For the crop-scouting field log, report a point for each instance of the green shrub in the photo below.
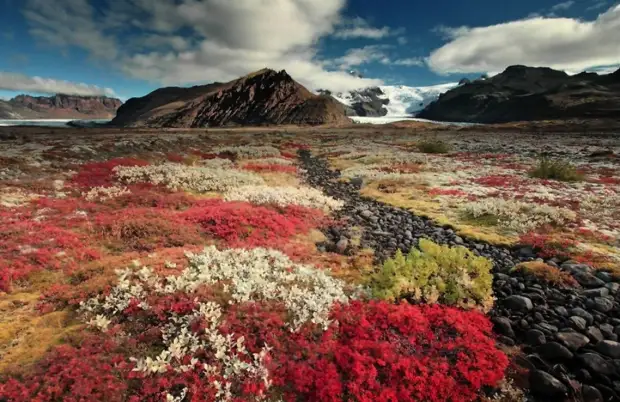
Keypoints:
(435, 273)
(556, 169)
(433, 147)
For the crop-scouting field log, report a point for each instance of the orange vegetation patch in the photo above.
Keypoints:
(547, 273)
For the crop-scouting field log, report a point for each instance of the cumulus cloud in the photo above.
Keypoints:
(560, 43)
(192, 41)
(364, 55)
(20, 82)
(413, 61)
(359, 28)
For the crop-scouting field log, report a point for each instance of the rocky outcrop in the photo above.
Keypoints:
(523, 93)
(59, 107)
(266, 97)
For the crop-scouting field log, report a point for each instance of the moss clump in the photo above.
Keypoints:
(435, 273)
(555, 169)
(433, 147)
(547, 273)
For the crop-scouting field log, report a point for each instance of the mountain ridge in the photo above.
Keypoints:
(59, 106)
(264, 97)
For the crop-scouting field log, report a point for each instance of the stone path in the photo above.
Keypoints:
(569, 336)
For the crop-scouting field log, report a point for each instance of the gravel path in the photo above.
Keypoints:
(568, 336)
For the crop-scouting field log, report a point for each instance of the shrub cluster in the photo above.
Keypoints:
(436, 273)
(284, 196)
(547, 273)
(249, 152)
(101, 174)
(556, 169)
(433, 147)
(270, 167)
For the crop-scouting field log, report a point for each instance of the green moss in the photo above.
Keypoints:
(436, 273)
(433, 147)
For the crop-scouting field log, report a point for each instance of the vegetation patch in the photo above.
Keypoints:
(556, 169)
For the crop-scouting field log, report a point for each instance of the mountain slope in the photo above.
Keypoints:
(59, 107)
(264, 97)
(391, 101)
(523, 93)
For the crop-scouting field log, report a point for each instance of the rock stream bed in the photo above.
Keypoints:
(569, 337)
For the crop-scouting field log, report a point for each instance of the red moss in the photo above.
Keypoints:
(102, 173)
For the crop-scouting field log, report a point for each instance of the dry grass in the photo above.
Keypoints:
(547, 273)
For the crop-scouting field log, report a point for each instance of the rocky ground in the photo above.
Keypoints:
(569, 337)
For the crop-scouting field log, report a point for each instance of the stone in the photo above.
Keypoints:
(554, 351)
(609, 348)
(597, 364)
(535, 337)
(588, 280)
(543, 383)
(607, 330)
(561, 311)
(518, 303)
(572, 340)
(366, 213)
(603, 304)
(578, 311)
(605, 276)
(505, 340)
(342, 244)
(502, 325)
(595, 334)
(613, 287)
(591, 394)
(598, 292)
(578, 322)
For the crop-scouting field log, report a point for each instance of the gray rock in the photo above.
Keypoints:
(518, 303)
(554, 351)
(598, 292)
(591, 394)
(603, 304)
(366, 213)
(561, 311)
(572, 340)
(502, 325)
(607, 330)
(597, 364)
(609, 348)
(578, 322)
(535, 337)
(588, 280)
(595, 334)
(604, 276)
(543, 383)
(613, 287)
(578, 311)
(574, 267)
(342, 244)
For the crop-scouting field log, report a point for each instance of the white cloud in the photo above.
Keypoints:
(563, 6)
(413, 61)
(401, 40)
(20, 82)
(597, 5)
(560, 43)
(359, 28)
(192, 41)
(367, 54)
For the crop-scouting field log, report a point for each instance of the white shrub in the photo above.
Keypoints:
(218, 163)
(194, 178)
(519, 216)
(105, 193)
(283, 196)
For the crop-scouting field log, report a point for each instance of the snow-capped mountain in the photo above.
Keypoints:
(392, 100)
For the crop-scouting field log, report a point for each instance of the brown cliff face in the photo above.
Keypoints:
(265, 97)
(523, 93)
(59, 107)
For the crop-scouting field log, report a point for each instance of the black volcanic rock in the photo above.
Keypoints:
(529, 93)
(265, 97)
(59, 107)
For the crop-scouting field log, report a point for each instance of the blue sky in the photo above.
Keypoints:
(130, 47)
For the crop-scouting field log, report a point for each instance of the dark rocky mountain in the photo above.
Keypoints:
(59, 107)
(265, 97)
(523, 93)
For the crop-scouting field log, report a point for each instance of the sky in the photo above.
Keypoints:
(127, 48)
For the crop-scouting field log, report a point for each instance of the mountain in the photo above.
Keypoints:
(264, 97)
(523, 93)
(388, 100)
(59, 107)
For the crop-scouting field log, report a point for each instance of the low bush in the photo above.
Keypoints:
(436, 273)
(433, 147)
(270, 167)
(547, 273)
(283, 196)
(555, 169)
(101, 174)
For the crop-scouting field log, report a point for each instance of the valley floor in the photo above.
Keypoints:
(264, 264)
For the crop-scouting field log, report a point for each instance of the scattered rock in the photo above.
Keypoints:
(597, 364)
(543, 383)
(519, 303)
(502, 325)
(609, 348)
(554, 351)
(535, 337)
(603, 304)
(572, 340)
(578, 322)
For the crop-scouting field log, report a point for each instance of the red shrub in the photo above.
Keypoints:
(94, 371)
(447, 191)
(152, 197)
(378, 352)
(174, 157)
(546, 245)
(101, 173)
(270, 167)
(244, 224)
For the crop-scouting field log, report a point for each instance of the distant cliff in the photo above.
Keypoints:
(523, 93)
(59, 107)
(265, 97)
